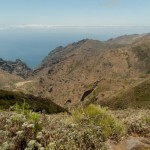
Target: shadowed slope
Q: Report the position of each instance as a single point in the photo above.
(9, 98)
(136, 97)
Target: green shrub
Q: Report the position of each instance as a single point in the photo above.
(96, 116)
(22, 107)
(30, 115)
(148, 72)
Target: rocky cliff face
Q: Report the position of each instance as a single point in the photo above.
(18, 67)
(61, 53)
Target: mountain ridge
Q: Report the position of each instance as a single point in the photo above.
(72, 70)
(81, 64)
(15, 67)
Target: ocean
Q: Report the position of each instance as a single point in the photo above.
(32, 45)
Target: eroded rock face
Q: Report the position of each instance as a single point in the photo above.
(18, 67)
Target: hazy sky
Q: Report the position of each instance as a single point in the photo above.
(47, 13)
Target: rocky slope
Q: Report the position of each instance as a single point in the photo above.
(8, 80)
(18, 67)
(90, 70)
(137, 96)
(113, 65)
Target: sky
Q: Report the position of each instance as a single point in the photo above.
(68, 13)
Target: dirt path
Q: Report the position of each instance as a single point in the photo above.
(19, 84)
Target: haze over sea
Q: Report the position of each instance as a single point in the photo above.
(32, 45)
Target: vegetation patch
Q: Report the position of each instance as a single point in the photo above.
(137, 121)
(88, 128)
(37, 104)
(137, 97)
(142, 51)
(95, 117)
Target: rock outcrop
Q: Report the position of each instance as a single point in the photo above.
(17, 67)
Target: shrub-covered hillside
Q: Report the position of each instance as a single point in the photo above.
(136, 97)
(9, 98)
(88, 128)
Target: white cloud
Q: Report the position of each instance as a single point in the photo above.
(26, 26)
(47, 26)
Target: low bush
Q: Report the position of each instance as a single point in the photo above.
(98, 117)
(86, 129)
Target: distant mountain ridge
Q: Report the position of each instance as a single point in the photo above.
(15, 67)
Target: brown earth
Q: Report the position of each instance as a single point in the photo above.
(115, 66)
(68, 72)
